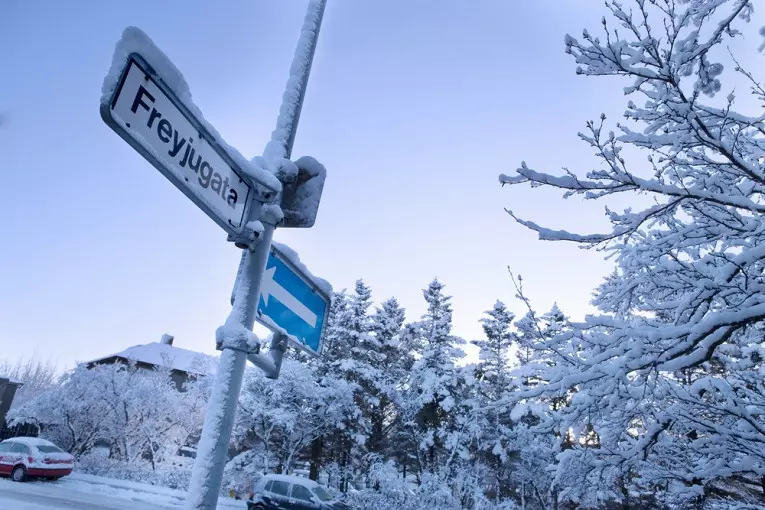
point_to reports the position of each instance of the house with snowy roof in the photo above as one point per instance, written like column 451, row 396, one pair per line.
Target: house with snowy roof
column 182, row 363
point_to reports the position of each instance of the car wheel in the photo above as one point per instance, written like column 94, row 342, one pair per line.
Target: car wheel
column 19, row 474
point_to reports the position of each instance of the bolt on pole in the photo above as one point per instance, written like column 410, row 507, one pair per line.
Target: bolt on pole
column 212, row 451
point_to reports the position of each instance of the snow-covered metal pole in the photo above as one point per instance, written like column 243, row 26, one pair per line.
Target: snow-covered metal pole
column 283, row 137
column 235, row 338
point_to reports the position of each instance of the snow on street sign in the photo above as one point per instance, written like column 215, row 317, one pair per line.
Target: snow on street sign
column 290, row 300
column 148, row 115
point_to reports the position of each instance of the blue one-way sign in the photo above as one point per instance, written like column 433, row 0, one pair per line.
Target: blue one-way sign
column 289, row 300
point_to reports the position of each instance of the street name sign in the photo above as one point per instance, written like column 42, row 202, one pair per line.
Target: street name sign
column 148, row 115
column 290, row 300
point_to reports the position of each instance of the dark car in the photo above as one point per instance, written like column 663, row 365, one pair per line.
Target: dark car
column 285, row 492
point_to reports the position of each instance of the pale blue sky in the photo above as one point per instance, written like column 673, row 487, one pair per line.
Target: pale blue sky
column 413, row 107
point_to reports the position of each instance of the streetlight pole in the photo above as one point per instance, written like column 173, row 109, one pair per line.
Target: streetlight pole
column 235, row 336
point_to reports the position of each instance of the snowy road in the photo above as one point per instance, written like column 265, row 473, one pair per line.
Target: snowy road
column 34, row 496
column 85, row 492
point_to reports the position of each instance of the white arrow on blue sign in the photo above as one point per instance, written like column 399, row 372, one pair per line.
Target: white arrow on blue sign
column 290, row 301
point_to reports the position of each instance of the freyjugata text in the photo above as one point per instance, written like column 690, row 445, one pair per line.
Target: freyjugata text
column 208, row 177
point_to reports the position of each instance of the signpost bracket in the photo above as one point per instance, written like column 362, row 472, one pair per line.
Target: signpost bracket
column 207, row 474
column 249, row 238
column 271, row 367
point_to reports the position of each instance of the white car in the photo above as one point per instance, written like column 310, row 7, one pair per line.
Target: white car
column 31, row 457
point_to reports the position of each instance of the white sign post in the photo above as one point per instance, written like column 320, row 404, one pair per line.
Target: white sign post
column 207, row 474
column 156, row 119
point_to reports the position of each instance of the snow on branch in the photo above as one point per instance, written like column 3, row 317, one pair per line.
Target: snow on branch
column 685, row 301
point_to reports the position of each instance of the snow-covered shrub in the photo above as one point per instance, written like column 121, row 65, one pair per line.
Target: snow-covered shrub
column 172, row 477
column 38, row 376
column 242, row 472
column 462, row 491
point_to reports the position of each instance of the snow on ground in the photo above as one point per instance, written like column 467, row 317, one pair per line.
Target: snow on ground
column 87, row 492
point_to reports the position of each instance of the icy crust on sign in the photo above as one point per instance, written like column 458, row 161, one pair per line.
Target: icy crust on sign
column 134, row 40
column 293, row 257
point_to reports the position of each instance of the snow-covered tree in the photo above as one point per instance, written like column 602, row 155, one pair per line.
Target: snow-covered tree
column 492, row 424
column 392, row 359
column 348, row 340
column 36, row 374
column 354, row 344
column 334, row 349
column 139, row 413
column 494, row 350
column 69, row 415
column 687, row 294
column 326, row 367
column 278, row 420
column 434, row 384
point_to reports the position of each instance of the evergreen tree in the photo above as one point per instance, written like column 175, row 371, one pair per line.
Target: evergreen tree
column 536, row 352
column 494, row 350
column 392, row 360
column 334, row 333
column 527, row 335
column 351, row 341
column 326, row 368
column 434, row 384
column 493, row 424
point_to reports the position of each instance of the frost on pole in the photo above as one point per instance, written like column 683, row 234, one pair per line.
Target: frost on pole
column 291, row 299
column 146, row 100
column 302, row 187
column 283, row 136
column 205, row 479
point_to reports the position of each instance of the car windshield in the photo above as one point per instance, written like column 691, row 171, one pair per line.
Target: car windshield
column 44, row 448
column 322, row 494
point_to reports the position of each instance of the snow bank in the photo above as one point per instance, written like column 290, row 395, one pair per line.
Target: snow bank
column 165, row 479
column 135, row 491
column 86, row 491
column 166, row 483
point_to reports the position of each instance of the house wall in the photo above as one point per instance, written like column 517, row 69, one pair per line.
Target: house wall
column 179, row 378
column 7, row 392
